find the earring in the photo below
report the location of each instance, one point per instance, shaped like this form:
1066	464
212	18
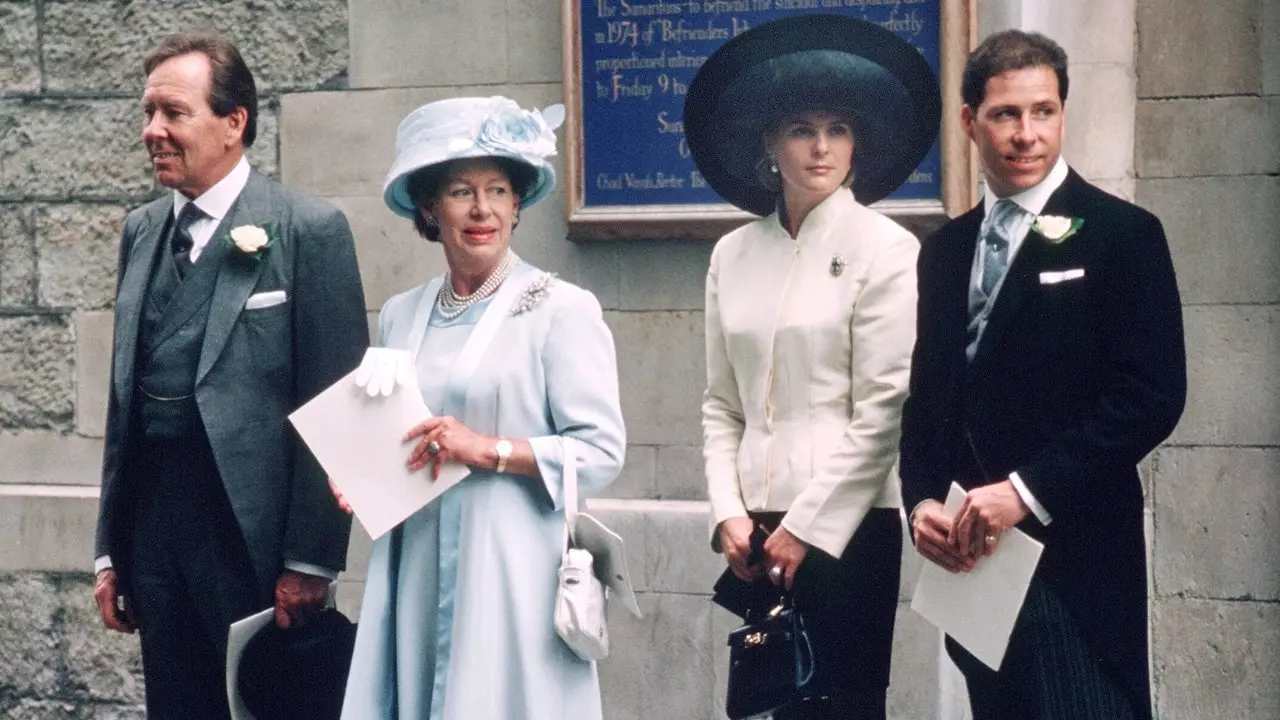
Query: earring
515	218
773	164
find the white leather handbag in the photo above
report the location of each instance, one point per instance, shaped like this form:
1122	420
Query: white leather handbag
580	598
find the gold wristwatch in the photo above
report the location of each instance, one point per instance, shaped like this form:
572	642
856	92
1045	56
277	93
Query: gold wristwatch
503	448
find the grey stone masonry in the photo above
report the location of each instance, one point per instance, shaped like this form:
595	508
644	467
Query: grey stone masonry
1207	156
55	659
1214	532
92	48
19	56
1191	48
37	358
1219	231
17	257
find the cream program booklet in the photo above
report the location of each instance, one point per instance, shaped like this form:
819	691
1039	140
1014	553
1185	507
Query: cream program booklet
978	608
357	440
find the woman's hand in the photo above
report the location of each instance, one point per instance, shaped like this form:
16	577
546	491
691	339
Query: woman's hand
445	438
783	553
735	541
337	495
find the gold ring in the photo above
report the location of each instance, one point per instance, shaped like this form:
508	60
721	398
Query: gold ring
991	540
776	572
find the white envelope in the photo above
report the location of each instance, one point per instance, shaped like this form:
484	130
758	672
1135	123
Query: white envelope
1053	277
609	559
265	299
978	608
357	440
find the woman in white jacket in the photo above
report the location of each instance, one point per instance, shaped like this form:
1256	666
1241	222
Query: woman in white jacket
810	323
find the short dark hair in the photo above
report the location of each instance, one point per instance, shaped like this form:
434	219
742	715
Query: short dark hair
425	184
1011	50
230	84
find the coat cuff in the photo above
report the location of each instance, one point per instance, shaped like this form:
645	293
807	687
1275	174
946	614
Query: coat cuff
102	563
309	569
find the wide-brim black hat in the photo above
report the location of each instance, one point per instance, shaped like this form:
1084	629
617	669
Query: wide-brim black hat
812	62
299	673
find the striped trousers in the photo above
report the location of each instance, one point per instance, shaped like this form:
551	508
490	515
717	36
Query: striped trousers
1049	671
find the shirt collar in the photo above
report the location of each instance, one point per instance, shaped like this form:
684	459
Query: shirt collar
217	200
1034	198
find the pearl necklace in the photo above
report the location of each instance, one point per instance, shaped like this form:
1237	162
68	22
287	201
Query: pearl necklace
451	304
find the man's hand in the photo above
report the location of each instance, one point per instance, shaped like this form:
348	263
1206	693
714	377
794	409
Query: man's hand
299	597
986	513
338	496
930	527
735	541
783	554
112	605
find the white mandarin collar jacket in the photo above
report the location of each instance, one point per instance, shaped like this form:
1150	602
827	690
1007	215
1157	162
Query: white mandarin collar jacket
807	369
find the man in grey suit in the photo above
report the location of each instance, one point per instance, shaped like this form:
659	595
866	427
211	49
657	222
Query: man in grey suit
211	507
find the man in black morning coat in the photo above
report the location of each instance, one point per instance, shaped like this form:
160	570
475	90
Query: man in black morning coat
1049	362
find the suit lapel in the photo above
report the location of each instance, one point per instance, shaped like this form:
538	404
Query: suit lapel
961	243
236	276
190	295
133	292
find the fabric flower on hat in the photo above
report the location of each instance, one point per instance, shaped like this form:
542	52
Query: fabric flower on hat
510	130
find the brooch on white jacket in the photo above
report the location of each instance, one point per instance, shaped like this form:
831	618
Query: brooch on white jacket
534	293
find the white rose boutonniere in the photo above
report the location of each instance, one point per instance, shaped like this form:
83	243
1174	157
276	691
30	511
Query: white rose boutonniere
250	240
1056	228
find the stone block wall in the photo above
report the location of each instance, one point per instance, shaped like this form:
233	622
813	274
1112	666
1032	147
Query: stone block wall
1207	161
71	165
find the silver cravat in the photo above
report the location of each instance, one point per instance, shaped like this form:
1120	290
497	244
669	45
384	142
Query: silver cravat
995	243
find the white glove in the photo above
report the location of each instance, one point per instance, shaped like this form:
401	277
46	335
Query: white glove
382	370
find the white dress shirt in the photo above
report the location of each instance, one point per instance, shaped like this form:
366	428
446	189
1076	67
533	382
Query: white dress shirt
808	357
216	202
1032	202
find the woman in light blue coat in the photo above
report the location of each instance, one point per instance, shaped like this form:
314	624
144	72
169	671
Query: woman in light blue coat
456	622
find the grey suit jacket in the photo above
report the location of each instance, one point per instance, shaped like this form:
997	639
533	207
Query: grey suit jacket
256	366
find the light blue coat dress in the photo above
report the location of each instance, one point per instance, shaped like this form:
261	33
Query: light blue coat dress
457	618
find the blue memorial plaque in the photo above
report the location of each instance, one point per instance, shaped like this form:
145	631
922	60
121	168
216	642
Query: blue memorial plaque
637	60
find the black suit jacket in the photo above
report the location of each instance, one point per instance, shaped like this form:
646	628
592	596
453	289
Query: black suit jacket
256	366
1072	385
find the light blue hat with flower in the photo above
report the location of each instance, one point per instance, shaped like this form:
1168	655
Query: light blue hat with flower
471	127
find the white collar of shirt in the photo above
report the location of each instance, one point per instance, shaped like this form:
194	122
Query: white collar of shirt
1032	200
216	202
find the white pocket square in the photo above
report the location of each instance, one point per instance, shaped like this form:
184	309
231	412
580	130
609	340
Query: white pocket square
265	300
1053	277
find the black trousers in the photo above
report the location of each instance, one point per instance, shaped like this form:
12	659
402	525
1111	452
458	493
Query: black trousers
190	578
1049	671
849	606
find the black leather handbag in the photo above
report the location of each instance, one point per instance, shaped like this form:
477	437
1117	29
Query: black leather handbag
771	663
